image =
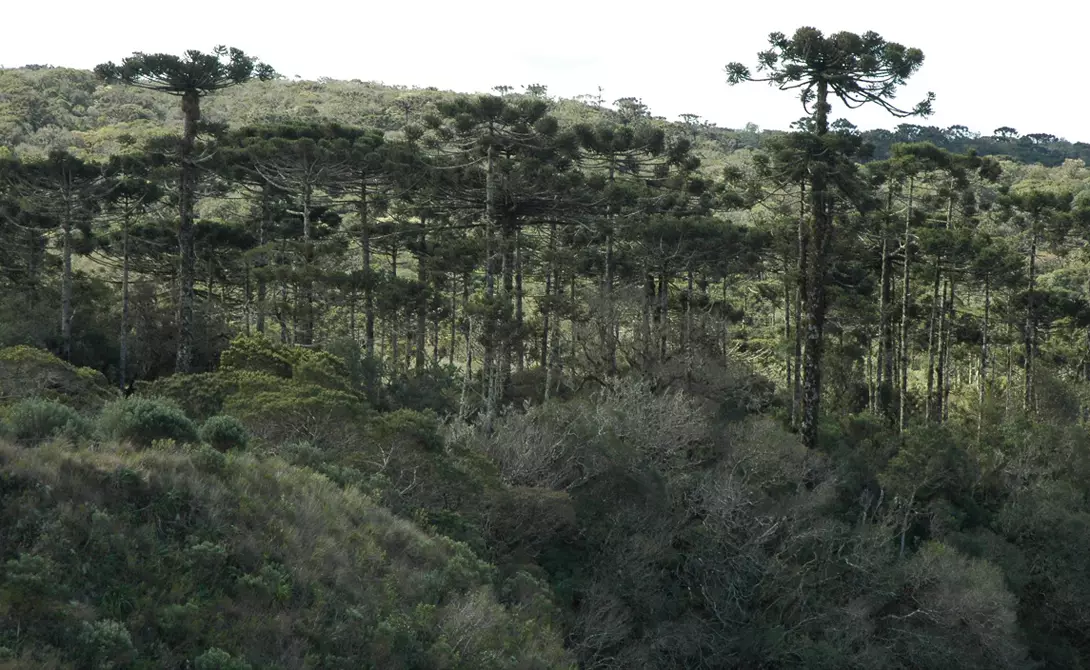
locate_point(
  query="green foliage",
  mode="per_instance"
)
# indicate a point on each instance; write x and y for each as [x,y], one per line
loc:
[27,372]
[35,420]
[200,395]
[162,541]
[105,645]
[277,411]
[224,432]
[141,421]
[259,354]
[218,659]
[593,428]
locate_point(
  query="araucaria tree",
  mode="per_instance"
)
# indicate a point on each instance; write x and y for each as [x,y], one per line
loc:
[855,69]
[190,77]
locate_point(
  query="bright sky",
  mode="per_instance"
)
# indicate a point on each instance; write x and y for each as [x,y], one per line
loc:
[988,65]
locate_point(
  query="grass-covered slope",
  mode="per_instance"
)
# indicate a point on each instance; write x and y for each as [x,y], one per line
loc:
[157,559]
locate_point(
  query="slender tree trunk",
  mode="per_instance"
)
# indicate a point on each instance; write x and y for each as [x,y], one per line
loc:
[307,336]
[395,322]
[906,307]
[648,299]
[453,318]
[787,327]
[123,364]
[885,320]
[368,272]
[1031,322]
[822,213]
[262,259]
[947,361]
[422,307]
[664,305]
[520,343]
[800,292]
[547,306]
[932,342]
[66,285]
[468,325]
[983,380]
[191,113]
[488,372]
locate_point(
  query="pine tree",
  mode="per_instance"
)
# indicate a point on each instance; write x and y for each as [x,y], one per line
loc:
[190,77]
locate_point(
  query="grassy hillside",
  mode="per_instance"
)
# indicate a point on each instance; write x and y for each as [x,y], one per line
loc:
[44,108]
[130,542]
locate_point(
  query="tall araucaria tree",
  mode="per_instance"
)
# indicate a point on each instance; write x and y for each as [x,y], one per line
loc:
[191,77]
[855,69]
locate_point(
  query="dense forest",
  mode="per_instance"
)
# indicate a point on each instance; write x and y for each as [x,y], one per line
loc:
[331,374]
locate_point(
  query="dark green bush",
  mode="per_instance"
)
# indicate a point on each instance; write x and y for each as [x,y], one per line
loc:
[144,420]
[218,659]
[224,432]
[105,645]
[199,395]
[34,420]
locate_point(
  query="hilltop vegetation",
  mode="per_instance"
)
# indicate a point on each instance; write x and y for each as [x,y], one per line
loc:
[345,375]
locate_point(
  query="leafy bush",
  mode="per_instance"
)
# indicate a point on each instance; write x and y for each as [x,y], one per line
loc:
[35,420]
[218,659]
[224,432]
[199,395]
[105,645]
[278,411]
[259,355]
[27,372]
[144,420]
[254,563]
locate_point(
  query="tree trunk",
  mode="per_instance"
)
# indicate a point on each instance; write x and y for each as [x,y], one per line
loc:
[307,335]
[123,363]
[453,318]
[520,344]
[1031,322]
[262,259]
[547,306]
[932,341]
[422,307]
[664,305]
[983,381]
[800,292]
[885,320]
[368,278]
[822,213]
[66,286]
[906,308]
[787,327]
[191,113]
[394,325]
[946,377]
[489,335]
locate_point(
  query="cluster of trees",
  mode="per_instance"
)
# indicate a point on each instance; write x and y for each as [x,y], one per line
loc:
[910,309]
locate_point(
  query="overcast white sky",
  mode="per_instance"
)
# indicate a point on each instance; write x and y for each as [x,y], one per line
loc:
[988,65]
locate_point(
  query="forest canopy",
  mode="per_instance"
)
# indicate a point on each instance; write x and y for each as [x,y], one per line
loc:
[335,374]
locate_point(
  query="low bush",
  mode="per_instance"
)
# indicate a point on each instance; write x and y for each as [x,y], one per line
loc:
[224,432]
[141,421]
[35,420]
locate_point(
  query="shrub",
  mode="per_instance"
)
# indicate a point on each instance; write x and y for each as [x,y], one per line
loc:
[260,355]
[29,372]
[34,420]
[224,432]
[144,420]
[278,411]
[106,644]
[218,659]
[199,395]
